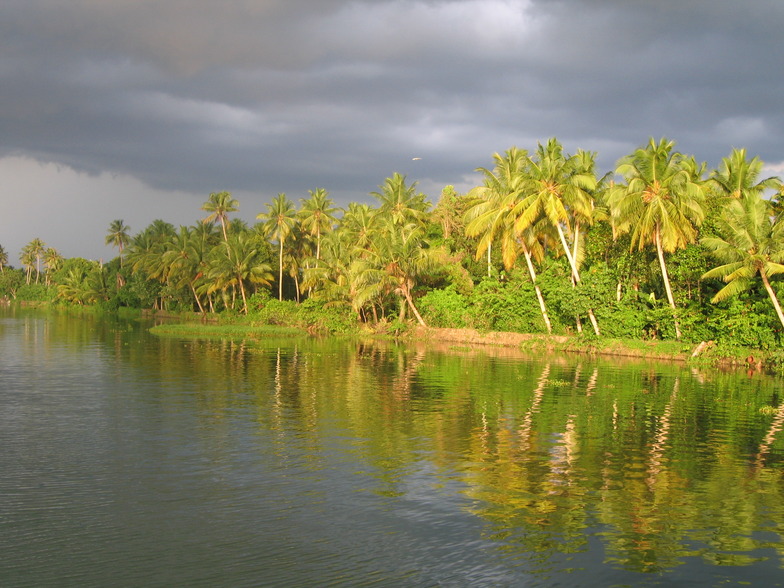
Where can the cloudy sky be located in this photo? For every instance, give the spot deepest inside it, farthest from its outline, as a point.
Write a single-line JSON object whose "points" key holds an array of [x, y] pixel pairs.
{"points": [[137, 109]]}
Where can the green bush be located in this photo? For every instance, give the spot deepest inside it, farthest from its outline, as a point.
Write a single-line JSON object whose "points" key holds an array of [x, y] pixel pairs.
{"points": [[35, 293], [444, 308]]}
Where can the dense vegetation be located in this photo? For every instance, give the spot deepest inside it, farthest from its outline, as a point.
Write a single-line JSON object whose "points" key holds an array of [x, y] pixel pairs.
{"points": [[662, 248]]}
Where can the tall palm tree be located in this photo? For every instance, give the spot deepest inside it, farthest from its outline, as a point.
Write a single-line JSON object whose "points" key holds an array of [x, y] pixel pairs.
{"points": [[118, 236], [278, 222], [661, 203], [493, 216], [400, 201], [401, 256], [33, 252], [219, 205], [236, 262], [317, 215], [53, 260], [739, 177], [492, 213], [559, 187], [3, 259], [750, 244], [27, 259]]}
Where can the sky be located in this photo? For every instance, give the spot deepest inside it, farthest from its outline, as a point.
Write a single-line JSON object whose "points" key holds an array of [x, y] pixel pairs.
{"points": [[139, 109]]}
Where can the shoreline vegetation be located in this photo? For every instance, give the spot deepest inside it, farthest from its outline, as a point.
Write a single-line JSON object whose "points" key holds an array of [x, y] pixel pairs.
{"points": [[660, 257], [470, 340]]}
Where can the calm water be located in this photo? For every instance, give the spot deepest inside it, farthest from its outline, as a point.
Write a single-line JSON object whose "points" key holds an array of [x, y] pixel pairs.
{"points": [[131, 460]]}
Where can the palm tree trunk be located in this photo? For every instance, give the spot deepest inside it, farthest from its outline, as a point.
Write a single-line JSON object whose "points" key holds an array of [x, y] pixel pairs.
{"points": [[407, 295], [665, 276], [242, 291], [196, 296], [539, 296], [772, 295], [280, 272], [576, 275]]}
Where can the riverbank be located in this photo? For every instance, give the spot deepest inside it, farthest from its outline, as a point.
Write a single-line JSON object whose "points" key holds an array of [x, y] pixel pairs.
{"points": [[703, 353]]}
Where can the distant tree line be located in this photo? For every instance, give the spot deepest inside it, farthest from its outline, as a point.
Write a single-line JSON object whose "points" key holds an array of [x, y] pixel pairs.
{"points": [[662, 248]]}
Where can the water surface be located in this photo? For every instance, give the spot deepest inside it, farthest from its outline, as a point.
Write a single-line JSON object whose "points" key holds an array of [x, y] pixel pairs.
{"points": [[131, 460]]}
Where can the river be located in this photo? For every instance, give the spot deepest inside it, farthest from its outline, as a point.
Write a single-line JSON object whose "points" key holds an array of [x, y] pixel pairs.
{"points": [[132, 460]]}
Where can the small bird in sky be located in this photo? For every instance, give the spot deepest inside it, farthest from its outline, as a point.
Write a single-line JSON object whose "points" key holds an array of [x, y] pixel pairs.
{"points": [[415, 158]]}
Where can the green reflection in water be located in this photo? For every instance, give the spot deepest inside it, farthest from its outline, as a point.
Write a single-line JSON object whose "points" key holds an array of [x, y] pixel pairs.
{"points": [[644, 466], [661, 463]]}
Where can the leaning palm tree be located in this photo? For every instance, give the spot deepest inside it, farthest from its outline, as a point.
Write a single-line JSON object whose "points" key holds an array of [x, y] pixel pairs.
{"points": [[401, 256], [560, 188], [751, 244], [219, 205], [278, 222], [496, 203], [492, 216], [661, 203], [118, 236], [3, 259]]}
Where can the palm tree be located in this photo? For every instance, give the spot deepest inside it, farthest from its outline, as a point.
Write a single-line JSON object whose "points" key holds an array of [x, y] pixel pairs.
{"points": [[401, 202], [751, 243], [401, 256], [661, 203], [317, 215], [3, 259], [53, 260], [27, 259], [219, 205], [493, 215], [559, 187], [31, 258], [237, 261], [118, 236], [738, 177], [279, 221]]}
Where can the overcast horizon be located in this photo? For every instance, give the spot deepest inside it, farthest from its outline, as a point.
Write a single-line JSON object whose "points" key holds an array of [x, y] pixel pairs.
{"points": [[138, 111]]}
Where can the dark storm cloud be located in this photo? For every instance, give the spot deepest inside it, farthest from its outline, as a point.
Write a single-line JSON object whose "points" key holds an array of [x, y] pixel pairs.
{"points": [[271, 96]]}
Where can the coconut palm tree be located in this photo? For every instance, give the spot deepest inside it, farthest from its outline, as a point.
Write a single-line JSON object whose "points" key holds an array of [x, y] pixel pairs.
{"points": [[750, 244], [3, 259], [53, 260], [492, 213], [278, 222], [236, 262], [739, 177], [317, 215], [31, 258], [560, 188], [401, 202], [660, 204], [399, 257], [118, 236], [219, 205]]}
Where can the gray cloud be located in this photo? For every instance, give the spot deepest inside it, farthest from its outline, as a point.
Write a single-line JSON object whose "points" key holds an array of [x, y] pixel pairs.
{"points": [[262, 97]]}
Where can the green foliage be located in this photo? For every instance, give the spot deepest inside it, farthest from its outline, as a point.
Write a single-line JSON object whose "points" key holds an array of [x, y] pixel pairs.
{"points": [[310, 315], [10, 282], [743, 321], [444, 308], [35, 293], [505, 306]]}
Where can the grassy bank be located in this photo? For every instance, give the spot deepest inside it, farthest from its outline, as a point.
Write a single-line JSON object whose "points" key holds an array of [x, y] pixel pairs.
{"points": [[225, 331], [704, 354]]}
